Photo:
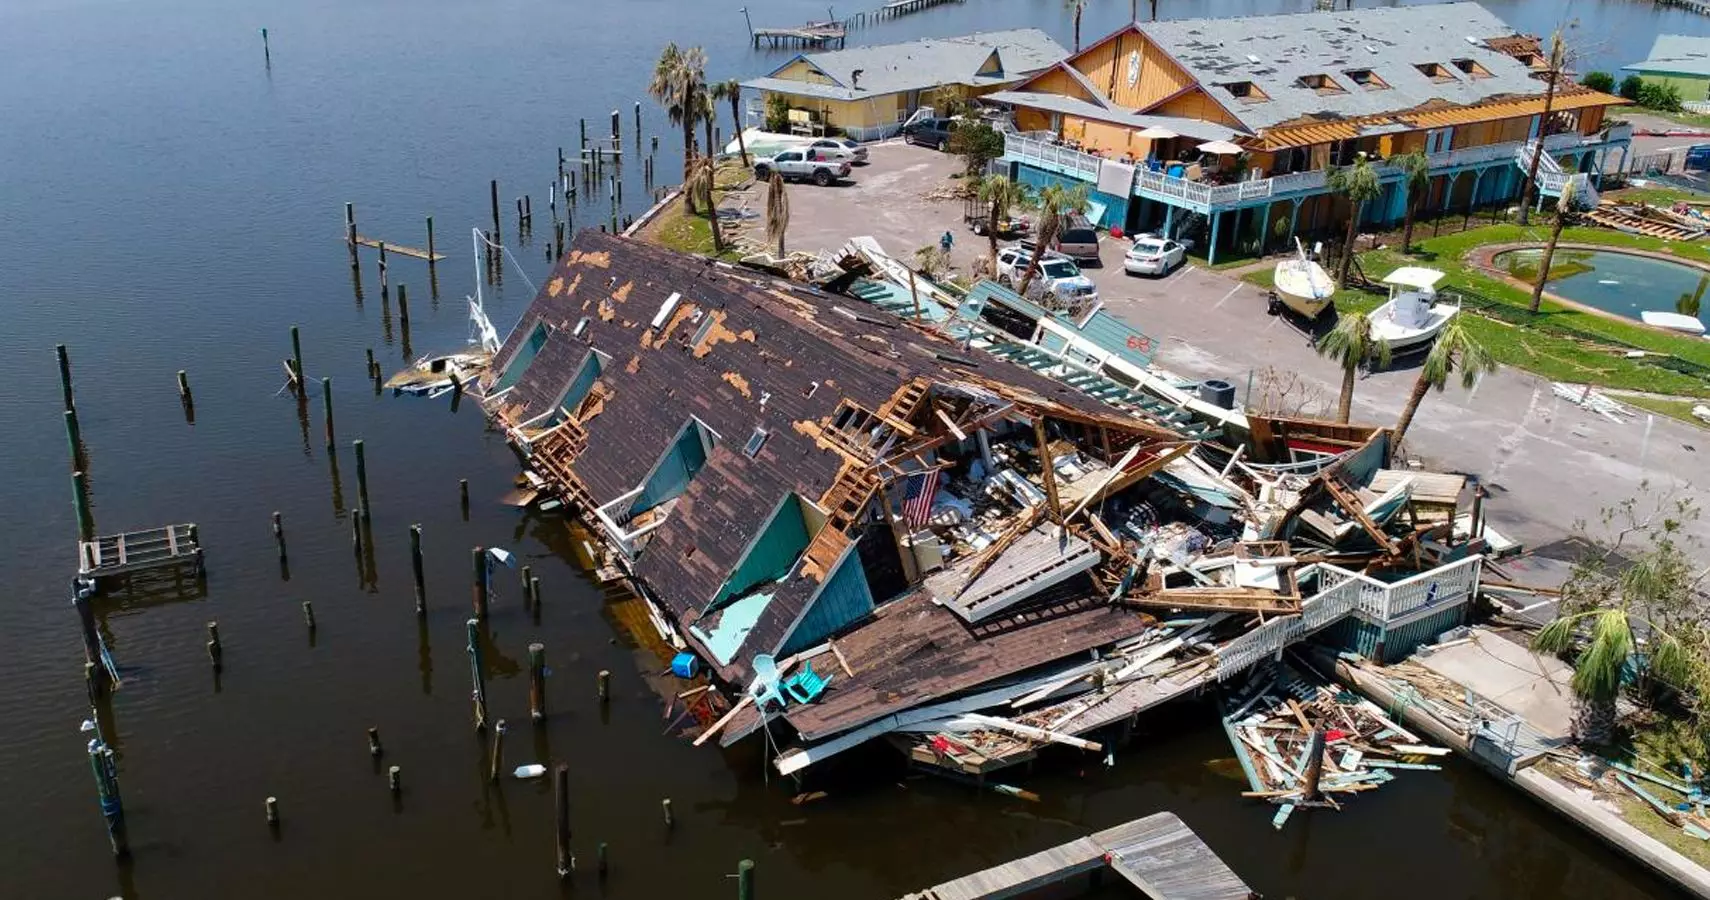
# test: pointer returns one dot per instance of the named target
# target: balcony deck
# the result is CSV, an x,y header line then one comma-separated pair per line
x,y
1035,149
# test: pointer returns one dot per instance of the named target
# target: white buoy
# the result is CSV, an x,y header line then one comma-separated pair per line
x,y
534,770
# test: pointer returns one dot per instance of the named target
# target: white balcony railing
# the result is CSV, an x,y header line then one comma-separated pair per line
x,y
1038,148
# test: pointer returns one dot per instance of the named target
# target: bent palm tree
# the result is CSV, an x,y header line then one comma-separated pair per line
x,y
1352,345
999,194
1565,206
1552,74
702,177
1055,201
1359,183
1416,181
1611,650
731,90
777,210
1454,351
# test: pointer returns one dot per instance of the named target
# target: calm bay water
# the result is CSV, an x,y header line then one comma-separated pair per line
x,y
167,203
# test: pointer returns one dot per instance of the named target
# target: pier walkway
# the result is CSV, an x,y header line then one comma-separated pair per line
x,y
1157,854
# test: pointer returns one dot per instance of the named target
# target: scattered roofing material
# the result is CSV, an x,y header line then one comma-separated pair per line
x,y
1675,54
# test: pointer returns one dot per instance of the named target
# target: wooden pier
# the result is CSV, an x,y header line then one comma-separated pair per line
x,y
813,34
400,249
137,551
904,7
1158,854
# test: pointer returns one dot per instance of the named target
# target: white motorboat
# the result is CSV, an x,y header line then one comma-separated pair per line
x,y
1412,316
1302,284
1673,322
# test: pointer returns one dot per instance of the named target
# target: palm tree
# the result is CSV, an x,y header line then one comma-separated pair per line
x,y
1359,183
679,79
1455,351
1154,10
777,210
731,90
1565,205
1612,650
702,178
709,114
999,194
1551,76
1076,6
1416,181
1352,345
1055,200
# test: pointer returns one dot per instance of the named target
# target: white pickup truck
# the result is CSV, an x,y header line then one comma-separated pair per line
x,y
796,165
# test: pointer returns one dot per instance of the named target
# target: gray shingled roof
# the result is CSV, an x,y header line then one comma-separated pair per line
x,y
1677,54
1274,52
922,64
1121,115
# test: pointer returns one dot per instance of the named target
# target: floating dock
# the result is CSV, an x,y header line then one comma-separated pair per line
x,y
138,551
1158,854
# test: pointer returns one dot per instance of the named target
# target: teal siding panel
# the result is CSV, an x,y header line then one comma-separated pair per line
x,y
577,390
772,554
674,472
525,354
842,601
1386,646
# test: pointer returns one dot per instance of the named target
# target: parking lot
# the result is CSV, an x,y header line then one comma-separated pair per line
x,y
1548,463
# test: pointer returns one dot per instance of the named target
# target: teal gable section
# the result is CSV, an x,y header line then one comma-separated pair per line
x,y
842,600
771,554
578,388
525,354
672,474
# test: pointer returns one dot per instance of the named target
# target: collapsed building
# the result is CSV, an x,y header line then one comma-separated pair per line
x,y
973,534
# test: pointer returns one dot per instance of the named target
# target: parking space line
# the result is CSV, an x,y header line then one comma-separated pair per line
x,y
1231,293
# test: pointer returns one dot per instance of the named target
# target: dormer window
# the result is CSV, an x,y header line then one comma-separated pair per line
x,y
1435,71
1472,68
1321,83
1245,91
1367,79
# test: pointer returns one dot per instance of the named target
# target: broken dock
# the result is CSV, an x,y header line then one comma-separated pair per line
x,y
813,34
138,551
399,249
1157,854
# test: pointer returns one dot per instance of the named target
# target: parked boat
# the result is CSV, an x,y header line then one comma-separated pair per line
x,y
1302,284
1673,322
1412,316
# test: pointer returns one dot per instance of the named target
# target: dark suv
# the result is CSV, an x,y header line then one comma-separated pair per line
x,y
933,133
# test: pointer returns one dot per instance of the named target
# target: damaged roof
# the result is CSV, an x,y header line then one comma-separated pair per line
x,y
921,64
739,351
1369,60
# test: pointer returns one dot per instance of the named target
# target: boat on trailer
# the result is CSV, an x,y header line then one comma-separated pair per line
x,y
1412,317
1302,285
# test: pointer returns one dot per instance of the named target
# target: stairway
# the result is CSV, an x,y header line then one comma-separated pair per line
x,y
552,454
1551,178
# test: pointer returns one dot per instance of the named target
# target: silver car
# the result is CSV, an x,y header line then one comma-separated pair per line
x,y
848,149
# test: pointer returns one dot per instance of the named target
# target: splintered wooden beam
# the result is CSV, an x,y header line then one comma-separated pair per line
x,y
1246,600
1355,508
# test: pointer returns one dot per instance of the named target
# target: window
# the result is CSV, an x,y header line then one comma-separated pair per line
x,y
1471,67
1245,91
755,442
1367,79
1320,83
1435,71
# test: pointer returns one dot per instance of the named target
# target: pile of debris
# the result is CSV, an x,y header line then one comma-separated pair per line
x,y
1680,802
1301,743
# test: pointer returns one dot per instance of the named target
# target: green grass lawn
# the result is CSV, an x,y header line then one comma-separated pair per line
x,y
1667,406
1655,196
687,232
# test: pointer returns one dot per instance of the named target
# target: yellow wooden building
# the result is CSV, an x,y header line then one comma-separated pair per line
x,y
1180,124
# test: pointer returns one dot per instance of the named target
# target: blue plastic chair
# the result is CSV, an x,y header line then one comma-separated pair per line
x,y
765,684
805,686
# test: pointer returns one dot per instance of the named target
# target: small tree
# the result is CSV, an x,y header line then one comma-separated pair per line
x,y
1630,87
1416,181
1352,345
702,176
731,90
777,210
1454,351
1659,96
977,143
999,194
1630,613
1564,208
1055,202
1599,81
777,113
1358,183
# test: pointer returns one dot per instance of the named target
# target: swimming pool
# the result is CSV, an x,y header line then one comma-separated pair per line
x,y
1619,283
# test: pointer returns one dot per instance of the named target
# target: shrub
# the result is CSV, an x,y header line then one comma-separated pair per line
x,y
777,113
977,143
1658,96
1630,87
1599,81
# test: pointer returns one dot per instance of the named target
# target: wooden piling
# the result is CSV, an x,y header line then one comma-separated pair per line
x,y
558,240
416,569
279,533
617,126
600,863
106,769
385,294
183,386
497,232
394,779
374,748
361,478
94,667
477,674
404,311
638,124
309,614
431,255
215,651
80,497
326,409
498,757
670,820
350,233
745,880
273,811
478,572
521,222
356,538
1314,765
603,687
266,51
372,365
561,817
297,356
74,437
583,125
456,391
534,595
463,496
527,572
537,682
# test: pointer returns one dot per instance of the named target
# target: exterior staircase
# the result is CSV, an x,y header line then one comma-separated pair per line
x,y
1551,178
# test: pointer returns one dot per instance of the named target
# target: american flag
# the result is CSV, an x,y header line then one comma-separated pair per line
x,y
917,500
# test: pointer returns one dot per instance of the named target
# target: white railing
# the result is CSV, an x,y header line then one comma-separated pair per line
x,y
1264,642
1039,148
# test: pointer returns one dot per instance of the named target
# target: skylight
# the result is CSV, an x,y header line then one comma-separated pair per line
x,y
755,442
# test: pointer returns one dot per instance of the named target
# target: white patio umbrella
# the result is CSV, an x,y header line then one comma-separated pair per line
x,y
1221,148
1157,133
